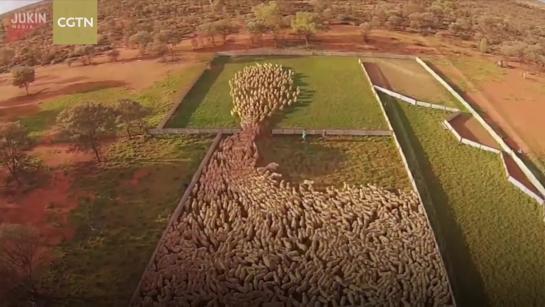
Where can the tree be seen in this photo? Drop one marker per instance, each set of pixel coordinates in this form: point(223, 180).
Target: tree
point(269, 17)
point(14, 142)
point(224, 28)
point(23, 76)
point(365, 28)
point(513, 49)
point(6, 56)
point(171, 39)
point(113, 55)
point(131, 114)
point(304, 24)
point(159, 49)
point(483, 45)
point(87, 125)
point(86, 53)
point(208, 30)
point(141, 39)
point(256, 30)
point(21, 255)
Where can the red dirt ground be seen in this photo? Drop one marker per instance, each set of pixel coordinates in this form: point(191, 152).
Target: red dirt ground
point(337, 38)
point(515, 172)
point(469, 128)
point(55, 155)
point(407, 77)
point(45, 208)
point(516, 105)
point(58, 80)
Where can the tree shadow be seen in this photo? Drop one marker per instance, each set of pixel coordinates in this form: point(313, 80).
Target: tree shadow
point(303, 100)
point(194, 97)
point(300, 160)
point(464, 277)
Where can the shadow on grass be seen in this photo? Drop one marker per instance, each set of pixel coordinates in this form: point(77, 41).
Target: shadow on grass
point(42, 121)
point(304, 99)
point(299, 160)
point(465, 280)
point(191, 101)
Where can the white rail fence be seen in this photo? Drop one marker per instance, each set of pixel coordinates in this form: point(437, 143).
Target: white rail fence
point(407, 169)
point(471, 143)
point(415, 102)
point(529, 174)
point(517, 183)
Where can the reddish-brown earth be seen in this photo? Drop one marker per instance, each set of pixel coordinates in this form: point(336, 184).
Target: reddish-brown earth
point(514, 171)
point(57, 80)
point(45, 208)
point(469, 128)
point(514, 104)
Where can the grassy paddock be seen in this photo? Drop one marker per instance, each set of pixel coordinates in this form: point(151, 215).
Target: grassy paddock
point(490, 232)
point(409, 78)
point(334, 95)
point(118, 226)
point(334, 160)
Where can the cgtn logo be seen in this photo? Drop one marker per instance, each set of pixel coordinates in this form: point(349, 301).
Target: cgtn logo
point(76, 22)
point(19, 24)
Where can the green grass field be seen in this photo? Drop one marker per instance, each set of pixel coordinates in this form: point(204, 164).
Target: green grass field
point(118, 228)
point(159, 98)
point(334, 95)
point(332, 161)
point(490, 232)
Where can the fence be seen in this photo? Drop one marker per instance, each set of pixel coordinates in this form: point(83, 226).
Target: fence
point(517, 183)
point(333, 132)
point(178, 210)
point(286, 131)
point(178, 100)
point(531, 177)
point(166, 131)
point(415, 102)
point(466, 141)
point(305, 52)
point(407, 169)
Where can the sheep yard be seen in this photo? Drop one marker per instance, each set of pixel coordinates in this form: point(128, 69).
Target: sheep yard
point(333, 95)
point(246, 235)
point(333, 161)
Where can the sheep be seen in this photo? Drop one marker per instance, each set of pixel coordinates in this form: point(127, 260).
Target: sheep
point(255, 238)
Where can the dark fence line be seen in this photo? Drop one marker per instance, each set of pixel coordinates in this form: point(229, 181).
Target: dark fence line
point(179, 97)
point(306, 52)
point(286, 131)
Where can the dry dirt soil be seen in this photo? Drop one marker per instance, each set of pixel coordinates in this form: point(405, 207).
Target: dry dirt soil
point(57, 80)
point(513, 103)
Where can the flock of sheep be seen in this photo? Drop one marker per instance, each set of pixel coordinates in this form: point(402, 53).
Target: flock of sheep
point(246, 237)
point(260, 90)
